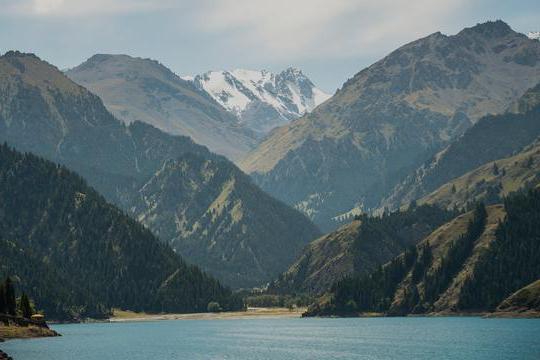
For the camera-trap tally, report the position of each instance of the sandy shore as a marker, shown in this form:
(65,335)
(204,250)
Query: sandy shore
(250,313)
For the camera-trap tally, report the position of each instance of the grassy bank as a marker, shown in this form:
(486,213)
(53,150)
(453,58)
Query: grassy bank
(25,332)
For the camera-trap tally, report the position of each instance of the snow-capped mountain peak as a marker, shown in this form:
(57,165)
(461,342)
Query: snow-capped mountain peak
(535,35)
(261,99)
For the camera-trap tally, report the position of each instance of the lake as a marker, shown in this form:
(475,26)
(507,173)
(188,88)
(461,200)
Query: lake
(290,338)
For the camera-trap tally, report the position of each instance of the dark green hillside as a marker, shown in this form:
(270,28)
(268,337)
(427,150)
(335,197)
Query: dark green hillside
(470,264)
(359,248)
(384,236)
(512,261)
(79,256)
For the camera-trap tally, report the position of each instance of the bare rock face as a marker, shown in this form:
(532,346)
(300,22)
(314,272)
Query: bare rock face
(393,116)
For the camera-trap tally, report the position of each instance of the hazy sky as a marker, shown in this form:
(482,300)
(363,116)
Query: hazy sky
(330,40)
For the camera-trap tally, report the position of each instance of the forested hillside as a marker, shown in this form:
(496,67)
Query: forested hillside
(80,256)
(491,182)
(215,216)
(359,248)
(44,112)
(470,264)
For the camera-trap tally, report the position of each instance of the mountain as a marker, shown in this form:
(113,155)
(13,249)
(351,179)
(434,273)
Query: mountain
(358,248)
(332,257)
(534,35)
(44,112)
(491,138)
(80,256)
(262,100)
(468,265)
(213,214)
(490,182)
(136,89)
(391,117)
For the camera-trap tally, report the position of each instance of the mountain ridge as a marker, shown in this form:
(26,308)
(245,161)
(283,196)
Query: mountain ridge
(44,112)
(391,117)
(262,100)
(137,89)
(81,256)
(491,138)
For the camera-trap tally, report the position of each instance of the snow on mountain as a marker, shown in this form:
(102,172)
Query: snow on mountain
(262,100)
(535,35)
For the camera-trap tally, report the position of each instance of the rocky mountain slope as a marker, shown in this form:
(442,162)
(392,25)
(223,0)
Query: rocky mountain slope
(358,248)
(391,117)
(490,182)
(43,111)
(332,257)
(491,138)
(80,256)
(213,214)
(260,99)
(136,89)
(470,264)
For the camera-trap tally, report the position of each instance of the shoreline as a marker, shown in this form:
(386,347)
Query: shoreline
(483,315)
(25,332)
(120,316)
(250,313)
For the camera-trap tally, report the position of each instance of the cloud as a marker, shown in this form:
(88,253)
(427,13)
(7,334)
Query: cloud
(78,8)
(303,28)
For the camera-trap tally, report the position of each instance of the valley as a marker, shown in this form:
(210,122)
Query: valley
(404,206)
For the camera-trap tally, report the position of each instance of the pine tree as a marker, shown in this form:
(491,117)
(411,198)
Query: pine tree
(11,302)
(3,307)
(25,309)
(495,169)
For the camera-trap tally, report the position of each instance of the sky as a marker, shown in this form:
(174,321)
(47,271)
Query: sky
(330,40)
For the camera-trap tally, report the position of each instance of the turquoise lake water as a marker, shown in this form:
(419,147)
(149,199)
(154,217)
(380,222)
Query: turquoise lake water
(287,339)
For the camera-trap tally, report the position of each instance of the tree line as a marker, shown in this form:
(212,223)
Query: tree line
(10,304)
(376,291)
(411,283)
(80,256)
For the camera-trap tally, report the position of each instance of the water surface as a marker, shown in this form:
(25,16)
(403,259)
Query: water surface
(287,339)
